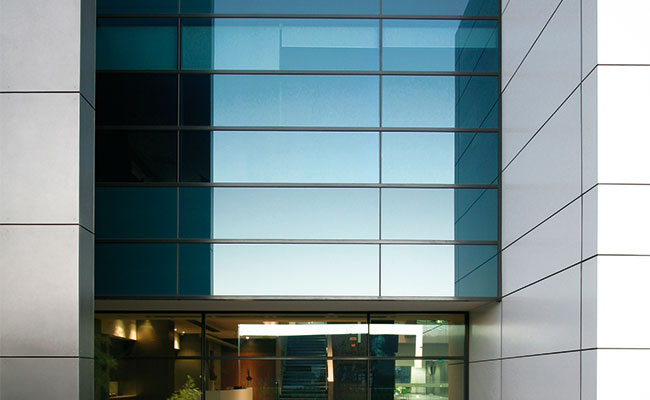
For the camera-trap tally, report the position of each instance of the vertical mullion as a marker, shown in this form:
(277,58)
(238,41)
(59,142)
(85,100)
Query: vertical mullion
(381,45)
(368,366)
(204,345)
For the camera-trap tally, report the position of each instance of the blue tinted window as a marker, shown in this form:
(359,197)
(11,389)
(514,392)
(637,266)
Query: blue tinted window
(441,7)
(196,213)
(195,269)
(288,44)
(136,43)
(280,6)
(439,214)
(414,45)
(438,101)
(137,6)
(296,270)
(135,269)
(292,213)
(439,157)
(291,157)
(477,271)
(281,100)
(135,212)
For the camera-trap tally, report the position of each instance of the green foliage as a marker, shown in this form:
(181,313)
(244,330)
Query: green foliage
(189,391)
(104,364)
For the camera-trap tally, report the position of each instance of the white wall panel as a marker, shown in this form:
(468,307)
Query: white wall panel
(485,332)
(485,380)
(623,32)
(555,376)
(622,374)
(623,219)
(37,378)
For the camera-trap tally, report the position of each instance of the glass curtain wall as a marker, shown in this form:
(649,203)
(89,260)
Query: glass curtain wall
(291,148)
(281,356)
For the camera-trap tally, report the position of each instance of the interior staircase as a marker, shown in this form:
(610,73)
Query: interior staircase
(305,379)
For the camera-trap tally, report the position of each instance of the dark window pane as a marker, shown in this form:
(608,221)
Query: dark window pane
(135,269)
(414,45)
(439,214)
(281,7)
(196,213)
(477,271)
(287,44)
(135,212)
(195,269)
(439,101)
(291,157)
(136,43)
(428,379)
(136,99)
(135,156)
(281,100)
(137,6)
(441,7)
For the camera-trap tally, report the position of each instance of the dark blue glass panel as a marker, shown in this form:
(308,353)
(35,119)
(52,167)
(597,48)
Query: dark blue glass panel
(441,7)
(196,156)
(135,156)
(477,271)
(280,6)
(135,269)
(136,99)
(196,213)
(439,157)
(135,212)
(132,44)
(439,214)
(415,45)
(438,101)
(286,44)
(137,6)
(280,100)
(195,269)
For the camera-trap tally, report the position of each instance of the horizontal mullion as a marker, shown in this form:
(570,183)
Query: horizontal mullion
(285,128)
(301,16)
(296,72)
(299,241)
(295,358)
(298,185)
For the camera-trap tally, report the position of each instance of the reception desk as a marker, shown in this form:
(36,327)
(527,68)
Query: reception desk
(235,394)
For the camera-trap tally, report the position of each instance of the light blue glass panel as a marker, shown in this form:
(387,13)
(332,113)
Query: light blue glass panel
(134,44)
(415,45)
(438,101)
(296,270)
(280,6)
(286,44)
(293,213)
(417,270)
(280,100)
(295,157)
(439,157)
(477,271)
(441,7)
(439,214)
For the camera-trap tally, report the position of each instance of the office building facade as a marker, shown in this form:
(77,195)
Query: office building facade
(282,189)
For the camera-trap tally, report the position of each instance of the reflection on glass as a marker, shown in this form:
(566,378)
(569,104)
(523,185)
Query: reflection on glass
(412,45)
(441,7)
(417,335)
(439,157)
(137,6)
(308,270)
(416,379)
(135,212)
(136,43)
(280,100)
(135,156)
(438,101)
(417,270)
(135,269)
(477,271)
(285,44)
(280,157)
(439,214)
(293,213)
(280,7)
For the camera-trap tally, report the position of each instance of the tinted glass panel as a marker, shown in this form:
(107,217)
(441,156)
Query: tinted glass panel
(136,43)
(413,379)
(137,6)
(280,6)
(280,100)
(135,212)
(136,99)
(420,335)
(268,213)
(441,7)
(413,45)
(296,270)
(194,269)
(287,44)
(438,101)
(477,271)
(292,157)
(135,269)
(439,157)
(439,214)
(135,156)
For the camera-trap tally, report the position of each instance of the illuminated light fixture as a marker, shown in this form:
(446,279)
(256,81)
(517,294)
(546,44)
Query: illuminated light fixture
(248,337)
(177,341)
